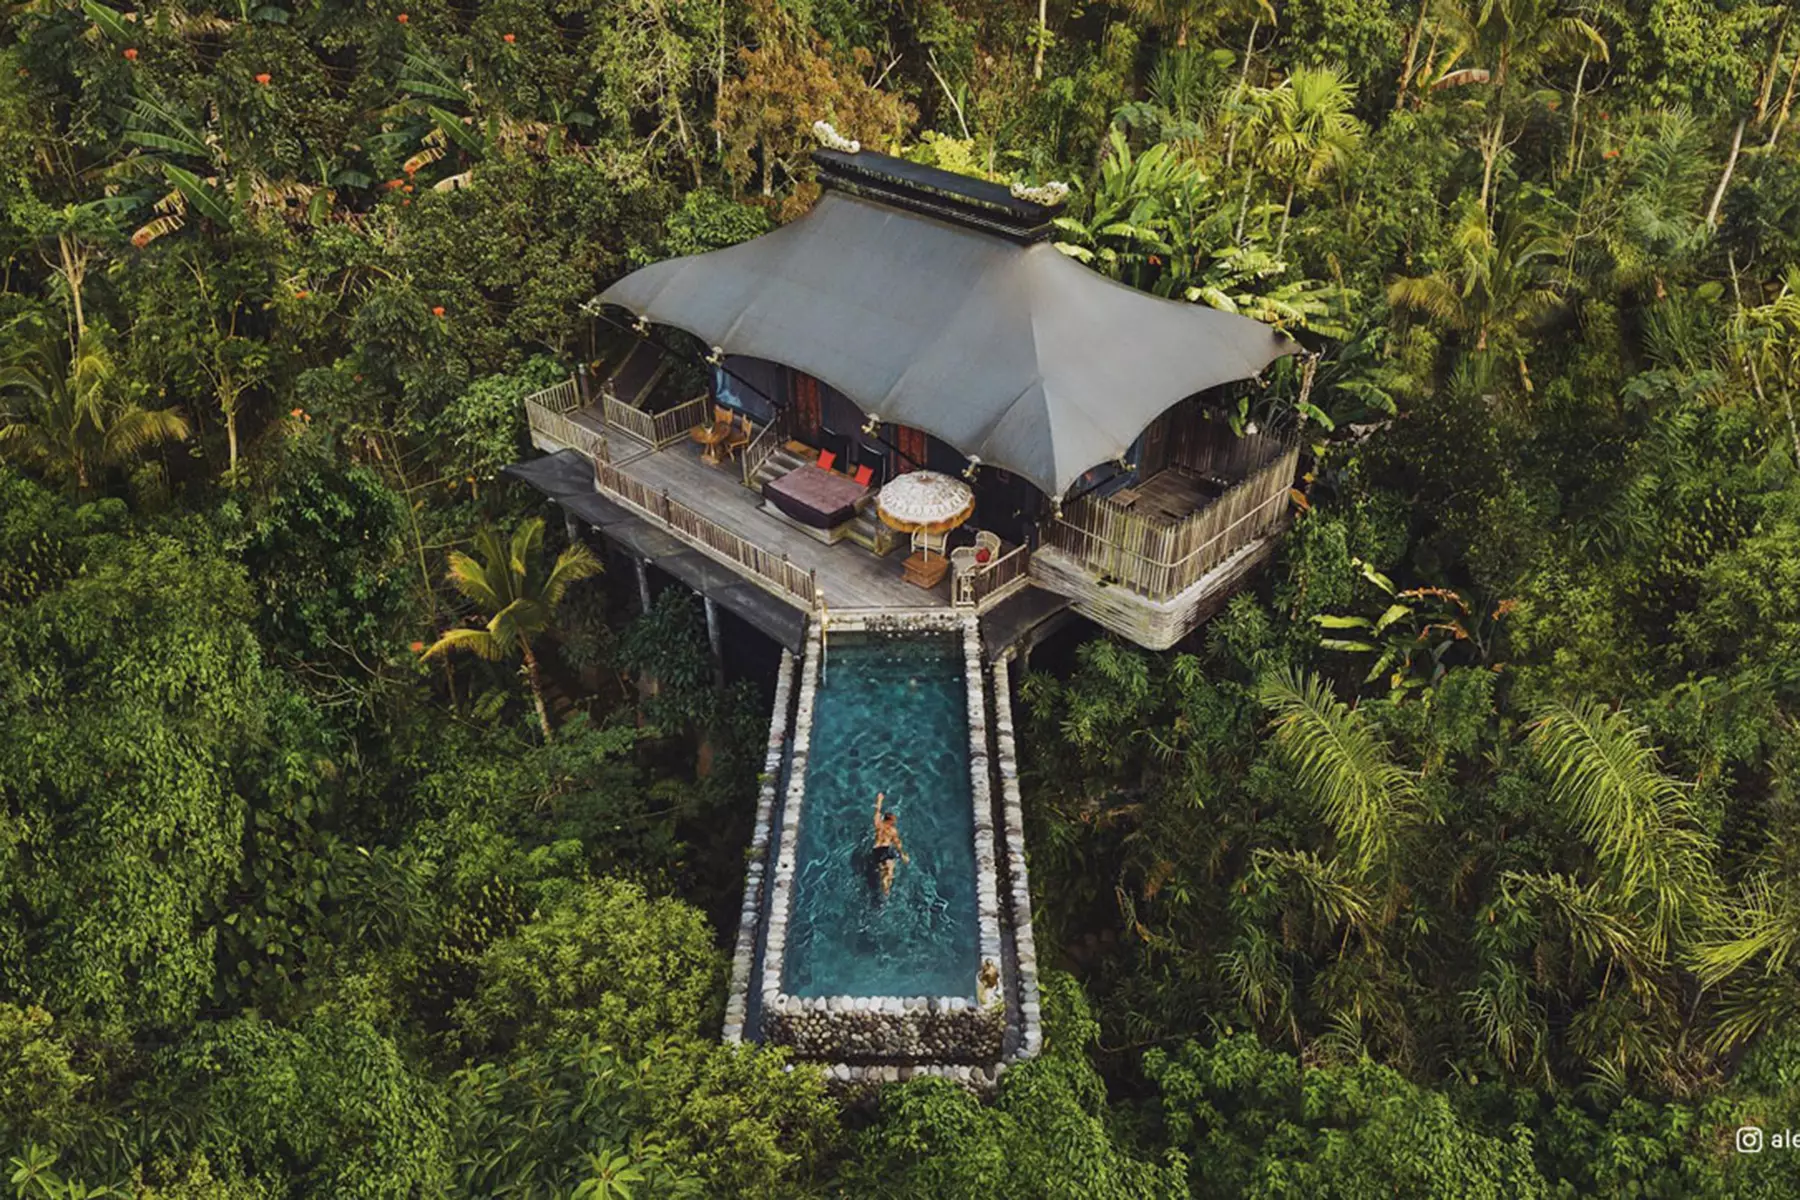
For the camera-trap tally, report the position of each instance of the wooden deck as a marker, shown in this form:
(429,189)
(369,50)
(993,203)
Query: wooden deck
(1170,495)
(848,575)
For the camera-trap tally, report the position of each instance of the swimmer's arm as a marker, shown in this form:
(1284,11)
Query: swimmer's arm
(879,797)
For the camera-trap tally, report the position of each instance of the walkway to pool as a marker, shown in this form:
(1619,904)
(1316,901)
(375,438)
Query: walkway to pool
(897,702)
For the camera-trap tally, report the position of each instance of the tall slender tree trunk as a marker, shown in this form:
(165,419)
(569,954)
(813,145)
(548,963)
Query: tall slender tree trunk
(1249,50)
(231,438)
(1243,207)
(1412,53)
(1243,85)
(74,266)
(1489,156)
(719,89)
(1787,101)
(1718,197)
(1773,69)
(1287,212)
(537,689)
(1037,65)
(1575,115)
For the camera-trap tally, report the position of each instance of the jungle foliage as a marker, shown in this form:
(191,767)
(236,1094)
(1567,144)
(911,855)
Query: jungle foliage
(1458,858)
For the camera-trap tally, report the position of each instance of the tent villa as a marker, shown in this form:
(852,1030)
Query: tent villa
(921,320)
(909,437)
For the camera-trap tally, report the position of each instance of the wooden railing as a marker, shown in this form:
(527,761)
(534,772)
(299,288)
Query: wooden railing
(654,429)
(559,398)
(1208,448)
(767,441)
(773,570)
(972,589)
(559,427)
(1159,559)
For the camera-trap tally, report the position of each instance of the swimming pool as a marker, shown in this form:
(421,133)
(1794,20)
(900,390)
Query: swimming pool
(846,976)
(892,717)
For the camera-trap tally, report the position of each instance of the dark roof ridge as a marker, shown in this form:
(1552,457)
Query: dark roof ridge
(978,204)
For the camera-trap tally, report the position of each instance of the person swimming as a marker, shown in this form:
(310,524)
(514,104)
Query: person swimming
(888,848)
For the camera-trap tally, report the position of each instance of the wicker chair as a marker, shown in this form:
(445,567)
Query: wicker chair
(989,542)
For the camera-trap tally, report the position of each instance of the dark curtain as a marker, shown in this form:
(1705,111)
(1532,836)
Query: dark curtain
(748,385)
(1008,505)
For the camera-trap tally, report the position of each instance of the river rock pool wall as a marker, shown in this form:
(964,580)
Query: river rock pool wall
(1031,1036)
(744,954)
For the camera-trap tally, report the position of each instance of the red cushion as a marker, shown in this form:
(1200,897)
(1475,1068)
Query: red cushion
(864,475)
(826,458)
(983,554)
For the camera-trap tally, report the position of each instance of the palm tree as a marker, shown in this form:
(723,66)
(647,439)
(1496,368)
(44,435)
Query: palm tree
(1310,131)
(1637,822)
(66,414)
(505,582)
(1512,39)
(1768,339)
(1749,954)
(1183,16)
(1493,289)
(1660,226)
(1343,764)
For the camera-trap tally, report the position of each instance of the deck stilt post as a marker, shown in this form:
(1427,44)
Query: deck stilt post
(643,576)
(571,526)
(715,638)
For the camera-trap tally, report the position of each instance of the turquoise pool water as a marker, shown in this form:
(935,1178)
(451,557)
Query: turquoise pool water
(893,717)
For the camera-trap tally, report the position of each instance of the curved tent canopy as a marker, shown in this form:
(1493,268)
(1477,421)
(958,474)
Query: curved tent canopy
(1015,354)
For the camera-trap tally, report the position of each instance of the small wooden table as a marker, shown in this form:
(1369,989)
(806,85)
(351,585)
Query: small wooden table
(926,570)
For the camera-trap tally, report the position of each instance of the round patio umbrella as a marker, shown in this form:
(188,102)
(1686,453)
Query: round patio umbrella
(925,502)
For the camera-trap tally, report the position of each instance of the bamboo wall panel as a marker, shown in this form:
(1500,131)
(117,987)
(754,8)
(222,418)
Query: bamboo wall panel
(1160,558)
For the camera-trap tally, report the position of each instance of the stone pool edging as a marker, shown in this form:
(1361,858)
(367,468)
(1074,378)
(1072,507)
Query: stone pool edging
(737,997)
(942,1030)
(1025,948)
(987,878)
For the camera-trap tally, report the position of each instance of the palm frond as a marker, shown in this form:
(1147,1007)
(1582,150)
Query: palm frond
(1340,763)
(573,565)
(469,577)
(1634,818)
(478,642)
(136,429)
(527,539)
(1427,294)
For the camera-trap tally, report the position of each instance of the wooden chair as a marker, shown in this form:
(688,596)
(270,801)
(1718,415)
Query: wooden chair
(738,436)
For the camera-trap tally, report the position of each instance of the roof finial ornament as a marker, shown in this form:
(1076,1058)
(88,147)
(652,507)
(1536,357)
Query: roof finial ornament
(1048,194)
(831,139)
